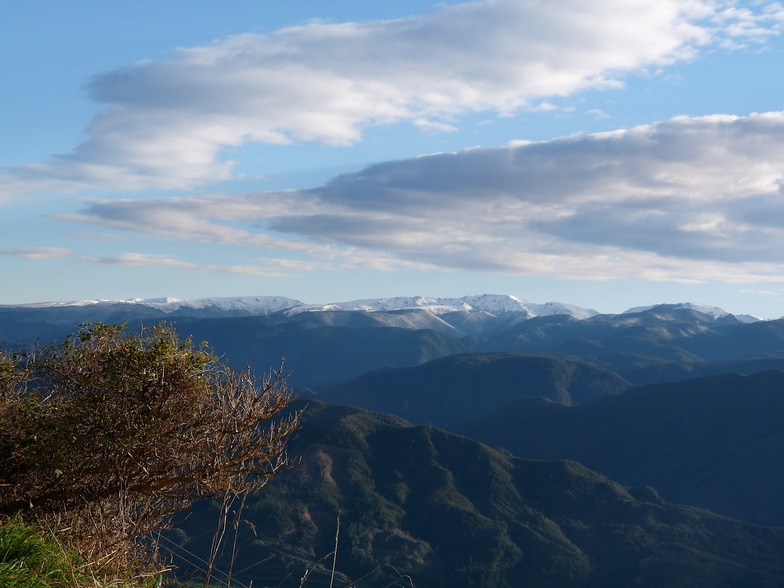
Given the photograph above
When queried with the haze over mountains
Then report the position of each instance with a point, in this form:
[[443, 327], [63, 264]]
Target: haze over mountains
[[612, 432]]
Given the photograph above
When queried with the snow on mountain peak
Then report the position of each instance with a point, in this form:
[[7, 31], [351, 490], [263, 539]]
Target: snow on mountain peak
[[493, 304], [497, 303], [434, 305], [487, 303], [712, 311], [257, 305], [249, 304], [553, 308]]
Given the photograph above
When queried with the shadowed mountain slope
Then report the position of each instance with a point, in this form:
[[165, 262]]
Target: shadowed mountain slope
[[713, 442], [322, 348], [318, 355], [455, 391], [422, 507]]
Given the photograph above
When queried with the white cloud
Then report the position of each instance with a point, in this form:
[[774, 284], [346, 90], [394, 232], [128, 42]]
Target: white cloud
[[163, 124], [434, 126], [742, 25], [686, 199], [198, 219]]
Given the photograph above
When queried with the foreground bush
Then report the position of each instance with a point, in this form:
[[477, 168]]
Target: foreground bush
[[105, 436]]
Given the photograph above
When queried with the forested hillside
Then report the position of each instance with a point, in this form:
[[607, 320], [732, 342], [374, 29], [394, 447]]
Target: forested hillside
[[714, 442], [423, 507]]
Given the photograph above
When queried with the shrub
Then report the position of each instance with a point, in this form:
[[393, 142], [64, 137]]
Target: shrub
[[105, 436]]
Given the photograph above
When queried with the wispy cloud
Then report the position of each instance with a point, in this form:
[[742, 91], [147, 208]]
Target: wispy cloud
[[684, 199], [264, 267], [742, 26], [38, 253], [163, 124]]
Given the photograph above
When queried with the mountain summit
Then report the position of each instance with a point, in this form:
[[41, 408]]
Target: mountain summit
[[486, 303]]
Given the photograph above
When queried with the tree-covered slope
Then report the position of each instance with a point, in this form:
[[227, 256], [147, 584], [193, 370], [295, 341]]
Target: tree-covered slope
[[658, 344], [715, 442], [456, 391], [422, 507], [317, 355]]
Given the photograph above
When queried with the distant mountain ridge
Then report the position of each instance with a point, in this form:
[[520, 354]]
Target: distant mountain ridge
[[487, 303], [251, 305], [492, 304], [714, 312], [328, 344]]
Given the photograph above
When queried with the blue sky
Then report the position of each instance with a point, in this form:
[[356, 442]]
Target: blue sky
[[624, 153]]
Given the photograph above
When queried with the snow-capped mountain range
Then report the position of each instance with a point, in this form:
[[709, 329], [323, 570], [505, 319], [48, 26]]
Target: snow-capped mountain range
[[491, 304], [254, 305], [488, 303]]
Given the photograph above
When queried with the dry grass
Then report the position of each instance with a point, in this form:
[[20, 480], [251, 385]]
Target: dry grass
[[34, 557]]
